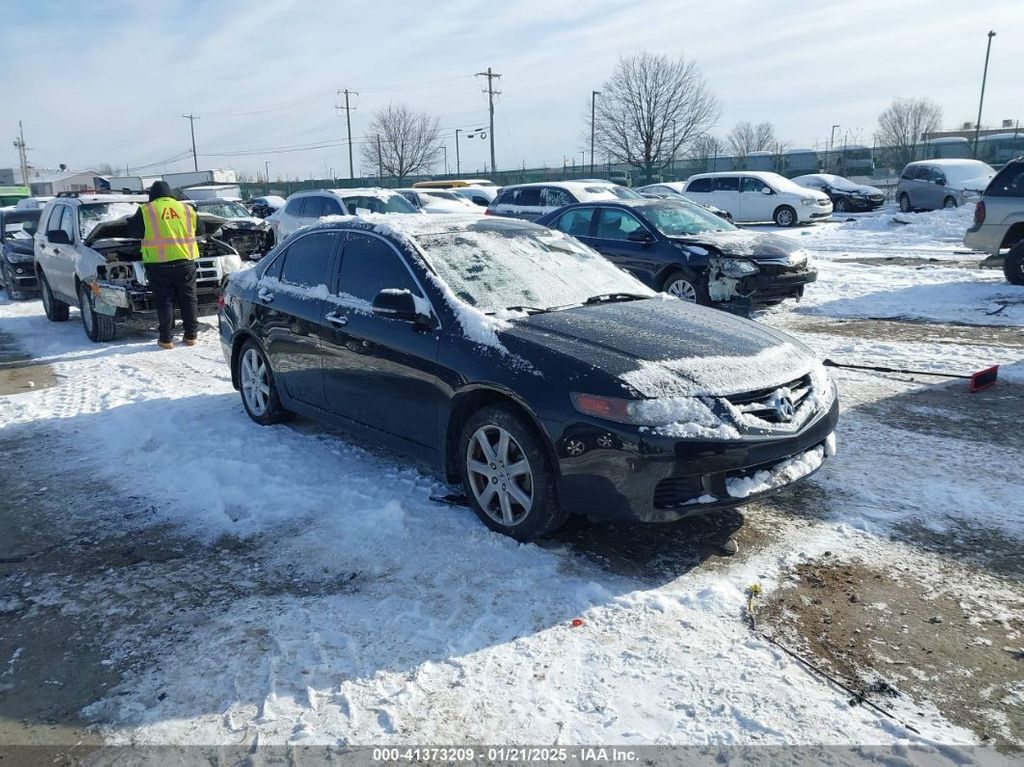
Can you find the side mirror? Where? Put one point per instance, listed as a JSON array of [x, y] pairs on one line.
[[58, 237], [399, 304], [940, 181], [766, 190], [641, 236]]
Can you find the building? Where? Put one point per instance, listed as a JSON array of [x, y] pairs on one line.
[[10, 176], [967, 129], [44, 184]]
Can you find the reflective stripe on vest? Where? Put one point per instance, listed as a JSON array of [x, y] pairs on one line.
[[170, 232]]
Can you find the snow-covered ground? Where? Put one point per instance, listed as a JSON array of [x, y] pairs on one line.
[[423, 627]]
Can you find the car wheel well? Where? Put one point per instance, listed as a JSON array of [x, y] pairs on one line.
[[1014, 235], [236, 349], [463, 408]]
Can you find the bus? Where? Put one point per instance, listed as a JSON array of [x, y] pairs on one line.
[[800, 162], [9, 195], [954, 147], [999, 148]]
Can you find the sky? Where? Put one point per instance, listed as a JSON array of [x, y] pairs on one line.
[[107, 81]]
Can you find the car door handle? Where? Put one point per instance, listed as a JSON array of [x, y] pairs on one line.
[[336, 319], [265, 295]]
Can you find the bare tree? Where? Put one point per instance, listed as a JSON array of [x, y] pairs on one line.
[[651, 109], [400, 141], [706, 148], [902, 127], [747, 137]]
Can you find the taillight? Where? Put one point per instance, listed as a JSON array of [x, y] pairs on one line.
[[488, 212], [220, 302], [979, 213]]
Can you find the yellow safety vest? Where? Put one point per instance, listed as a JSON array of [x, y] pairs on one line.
[[170, 232]]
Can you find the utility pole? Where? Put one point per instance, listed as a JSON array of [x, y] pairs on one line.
[[192, 125], [458, 164], [831, 145], [19, 144], [266, 169], [491, 93], [348, 125], [380, 161], [984, 76], [593, 105]]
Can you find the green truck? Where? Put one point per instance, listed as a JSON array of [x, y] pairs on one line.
[[9, 195]]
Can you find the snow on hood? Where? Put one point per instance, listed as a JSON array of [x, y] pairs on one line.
[[747, 244]]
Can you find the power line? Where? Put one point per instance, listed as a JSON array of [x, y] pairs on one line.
[[491, 93], [192, 125]]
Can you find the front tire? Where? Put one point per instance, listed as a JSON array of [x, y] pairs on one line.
[[904, 203], [950, 202], [507, 475], [258, 387], [1013, 265], [785, 216], [687, 286], [98, 327], [8, 282], [56, 310]]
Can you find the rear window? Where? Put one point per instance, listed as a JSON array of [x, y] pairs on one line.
[[312, 207], [725, 184], [294, 207], [528, 196], [699, 185], [1009, 182], [307, 263]]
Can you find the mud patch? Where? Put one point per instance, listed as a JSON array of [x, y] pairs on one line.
[[18, 372], [956, 643], [913, 331]]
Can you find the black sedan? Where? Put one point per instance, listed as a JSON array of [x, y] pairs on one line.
[[520, 363], [846, 196], [17, 270], [679, 248]]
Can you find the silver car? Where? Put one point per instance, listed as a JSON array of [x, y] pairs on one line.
[[932, 184]]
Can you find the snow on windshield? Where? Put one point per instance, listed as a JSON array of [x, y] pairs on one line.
[[675, 219], [493, 270], [967, 170], [91, 215], [224, 209]]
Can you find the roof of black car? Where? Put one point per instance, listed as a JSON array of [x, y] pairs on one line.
[[416, 224]]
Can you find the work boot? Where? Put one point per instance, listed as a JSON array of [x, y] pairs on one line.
[[165, 344], [190, 341]]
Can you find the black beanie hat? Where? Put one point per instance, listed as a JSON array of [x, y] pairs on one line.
[[160, 189]]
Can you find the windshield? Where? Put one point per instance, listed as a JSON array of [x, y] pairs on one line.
[[95, 213], [21, 225], [224, 209], [967, 170], [493, 270], [677, 219], [394, 203]]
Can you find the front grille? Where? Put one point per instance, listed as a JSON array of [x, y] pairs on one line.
[[676, 491], [763, 403], [207, 271]]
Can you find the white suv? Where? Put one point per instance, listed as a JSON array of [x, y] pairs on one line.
[[307, 207], [85, 259], [999, 221], [755, 196], [531, 201]]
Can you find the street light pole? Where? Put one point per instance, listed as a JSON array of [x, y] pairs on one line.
[[593, 105], [458, 164], [984, 76], [266, 171], [831, 146]]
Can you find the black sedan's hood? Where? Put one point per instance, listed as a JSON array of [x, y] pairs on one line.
[[18, 246], [745, 244], [663, 347]]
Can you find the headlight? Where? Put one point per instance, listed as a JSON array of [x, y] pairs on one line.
[[20, 258], [737, 267], [645, 412], [807, 201], [969, 194]]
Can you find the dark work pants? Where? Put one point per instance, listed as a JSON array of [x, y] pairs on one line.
[[174, 283]]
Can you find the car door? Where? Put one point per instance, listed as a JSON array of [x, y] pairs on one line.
[[61, 272], [939, 193], [725, 194], [756, 200], [527, 203], [611, 237], [290, 304], [380, 373], [45, 251], [921, 187]]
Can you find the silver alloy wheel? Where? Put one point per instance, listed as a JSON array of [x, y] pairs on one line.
[[904, 203], [255, 382], [85, 306], [682, 289], [499, 475], [841, 205], [784, 218]]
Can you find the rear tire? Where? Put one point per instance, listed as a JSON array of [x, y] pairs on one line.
[[687, 286], [904, 202], [56, 310], [785, 216], [98, 327], [258, 387], [507, 475], [1013, 265], [842, 206]]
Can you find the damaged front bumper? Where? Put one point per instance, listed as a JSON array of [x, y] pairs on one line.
[[749, 282], [130, 302]]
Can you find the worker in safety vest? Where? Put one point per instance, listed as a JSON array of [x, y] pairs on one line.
[[169, 252]]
